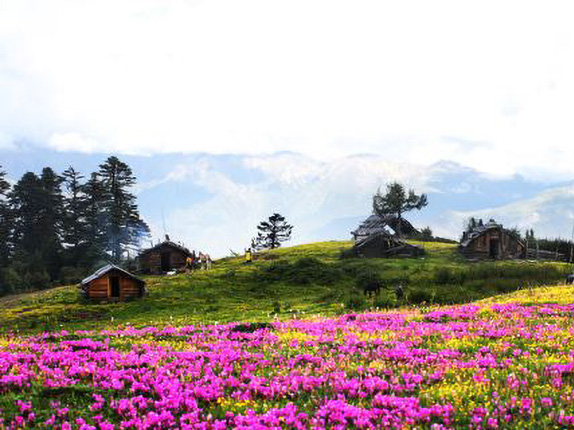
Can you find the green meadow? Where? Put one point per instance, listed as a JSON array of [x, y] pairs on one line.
[[293, 282]]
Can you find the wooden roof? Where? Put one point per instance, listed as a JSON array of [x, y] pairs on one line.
[[375, 224], [169, 244], [104, 270], [483, 229]]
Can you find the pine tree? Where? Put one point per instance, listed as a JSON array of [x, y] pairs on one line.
[[74, 220], [272, 232], [471, 225], [51, 221], [396, 202], [95, 233], [125, 228], [5, 221], [27, 200], [426, 234]]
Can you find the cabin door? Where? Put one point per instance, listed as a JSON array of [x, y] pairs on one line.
[[165, 261], [115, 286], [494, 243]]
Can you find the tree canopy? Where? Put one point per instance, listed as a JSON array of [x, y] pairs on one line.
[[396, 201], [272, 232]]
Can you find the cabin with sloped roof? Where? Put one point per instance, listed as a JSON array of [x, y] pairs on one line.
[[375, 224], [374, 238], [162, 258], [112, 283], [491, 241]]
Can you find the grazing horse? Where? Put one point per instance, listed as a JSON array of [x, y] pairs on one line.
[[372, 287]]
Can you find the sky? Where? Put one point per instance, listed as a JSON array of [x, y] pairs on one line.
[[486, 85]]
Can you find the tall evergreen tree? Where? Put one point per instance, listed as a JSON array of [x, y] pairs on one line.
[[396, 201], [74, 219], [95, 219], [125, 227], [27, 200], [5, 221], [51, 221], [272, 232]]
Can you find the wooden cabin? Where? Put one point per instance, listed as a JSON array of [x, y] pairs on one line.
[[492, 241], [375, 224], [162, 258], [385, 245], [112, 283]]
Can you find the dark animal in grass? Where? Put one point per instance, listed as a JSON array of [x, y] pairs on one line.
[[400, 292], [570, 279], [372, 287]]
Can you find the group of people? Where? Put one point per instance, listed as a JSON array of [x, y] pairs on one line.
[[199, 261]]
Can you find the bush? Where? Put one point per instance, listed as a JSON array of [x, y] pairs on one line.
[[10, 281], [420, 296], [386, 299], [355, 301], [276, 307]]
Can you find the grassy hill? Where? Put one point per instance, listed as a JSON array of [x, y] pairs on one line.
[[296, 281]]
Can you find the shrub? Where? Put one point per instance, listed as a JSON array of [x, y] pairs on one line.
[[355, 301], [420, 296], [276, 307], [386, 299]]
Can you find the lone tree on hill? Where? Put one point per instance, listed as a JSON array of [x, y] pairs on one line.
[[272, 232], [396, 201]]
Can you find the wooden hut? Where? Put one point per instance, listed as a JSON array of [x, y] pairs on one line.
[[112, 283], [375, 224], [382, 244], [493, 241], [162, 258]]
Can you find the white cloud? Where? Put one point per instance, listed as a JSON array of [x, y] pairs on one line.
[[413, 81]]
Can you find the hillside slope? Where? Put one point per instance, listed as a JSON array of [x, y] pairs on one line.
[[295, 281]]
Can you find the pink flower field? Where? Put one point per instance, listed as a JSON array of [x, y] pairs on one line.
[[499, 366]]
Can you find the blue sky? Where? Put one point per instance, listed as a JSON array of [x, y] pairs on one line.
[[230, 110]]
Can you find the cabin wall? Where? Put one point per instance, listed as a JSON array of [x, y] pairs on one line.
[[508, 247], [150, 262], [379, 248], [100, 289], [129, 289]]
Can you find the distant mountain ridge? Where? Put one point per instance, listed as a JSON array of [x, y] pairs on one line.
[[214, 202]]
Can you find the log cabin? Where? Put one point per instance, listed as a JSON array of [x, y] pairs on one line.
[[384, 245], [375, 224], [162, 258], [112, 283], [492, 241]]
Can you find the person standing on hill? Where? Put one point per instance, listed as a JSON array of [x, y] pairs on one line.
[[189, 264], [248, 256]]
